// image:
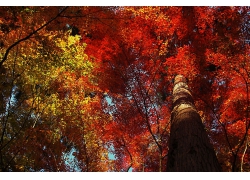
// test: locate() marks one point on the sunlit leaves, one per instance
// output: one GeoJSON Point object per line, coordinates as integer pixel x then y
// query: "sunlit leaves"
{"type": "Point", "coordinates": [109, 86]}
{"type": "Point", "coordinates": [55, 77]}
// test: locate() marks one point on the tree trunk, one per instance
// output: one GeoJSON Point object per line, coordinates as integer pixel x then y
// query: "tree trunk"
{"type": "Point", "coordinates": [189, 146]}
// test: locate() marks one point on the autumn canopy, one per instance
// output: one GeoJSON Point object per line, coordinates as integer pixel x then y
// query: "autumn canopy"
{"type": "Point", "coordinates": [124, 88]}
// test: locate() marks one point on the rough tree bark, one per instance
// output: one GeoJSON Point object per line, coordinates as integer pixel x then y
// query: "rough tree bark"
{"type": "Point", "coordinates": [189, 146]}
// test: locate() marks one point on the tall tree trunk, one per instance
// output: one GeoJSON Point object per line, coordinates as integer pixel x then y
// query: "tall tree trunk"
{"type": "Point", "coordinates": [189, 146]}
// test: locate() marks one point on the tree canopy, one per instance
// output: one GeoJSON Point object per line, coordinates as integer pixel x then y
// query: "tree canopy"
{"type": "Point", "coordinates": [90, 88]}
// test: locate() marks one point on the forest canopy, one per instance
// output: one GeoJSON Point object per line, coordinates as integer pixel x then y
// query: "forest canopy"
{"type": "Point", "coordinates": [90, 88]}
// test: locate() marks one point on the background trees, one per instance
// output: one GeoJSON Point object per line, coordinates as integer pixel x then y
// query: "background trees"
{"type": "Point", "coordinates": [82, 84]}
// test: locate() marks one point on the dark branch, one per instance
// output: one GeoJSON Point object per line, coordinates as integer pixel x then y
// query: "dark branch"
{"type": "Point", "coordinates": [27, 37]}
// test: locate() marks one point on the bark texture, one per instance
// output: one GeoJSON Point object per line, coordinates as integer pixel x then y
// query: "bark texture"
{"type": "Point", "coordinates": [189, 146]}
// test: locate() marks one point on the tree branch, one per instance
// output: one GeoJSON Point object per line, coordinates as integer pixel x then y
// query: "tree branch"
{"type": "Point", "coordinates": [27, 37]}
